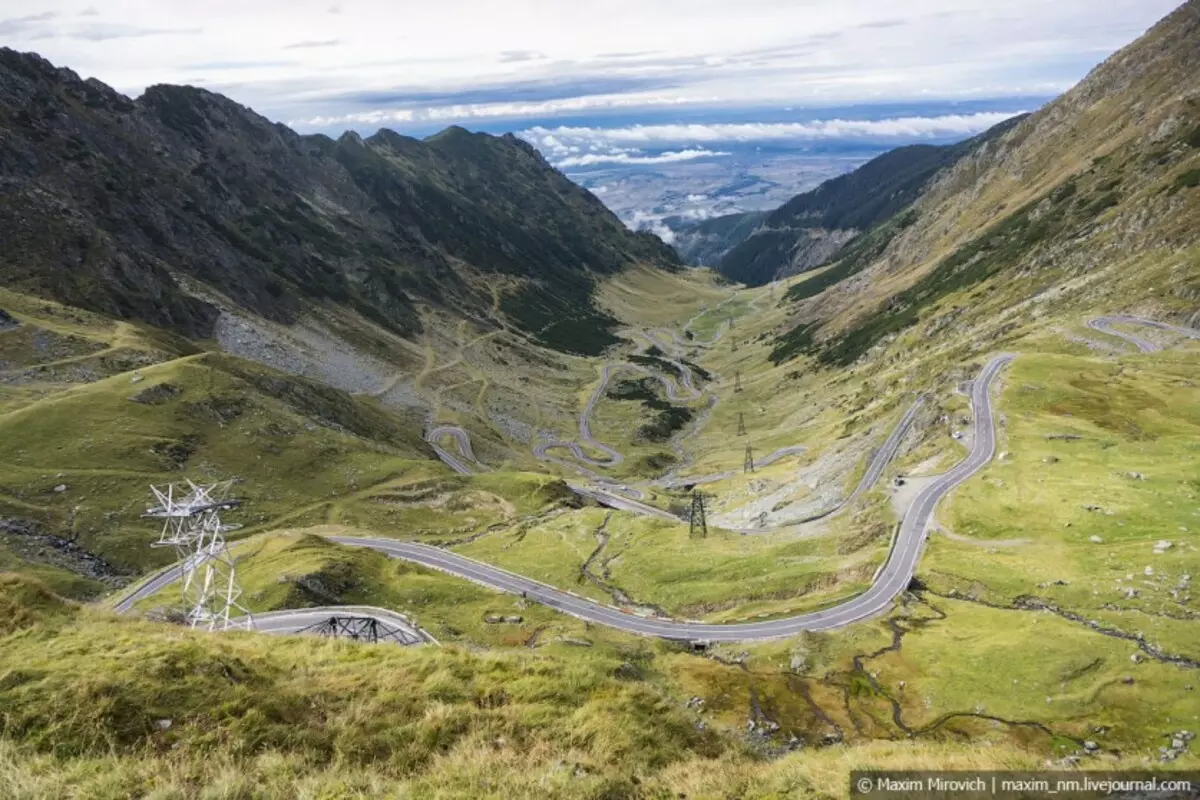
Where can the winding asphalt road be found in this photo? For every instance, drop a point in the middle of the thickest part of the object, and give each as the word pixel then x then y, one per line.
pixel 683 392
pixel 460 463
pixel 879 461
pixel 698 480
pixel 401 629
pixel 398 627
pixel 891 581
pixel 152 585
pixel 1104 325
pixel 721 331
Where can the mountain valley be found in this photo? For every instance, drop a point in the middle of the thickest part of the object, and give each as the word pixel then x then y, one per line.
pixel 908 482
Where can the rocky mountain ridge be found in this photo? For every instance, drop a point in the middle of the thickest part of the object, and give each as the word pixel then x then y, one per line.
pixel 105 200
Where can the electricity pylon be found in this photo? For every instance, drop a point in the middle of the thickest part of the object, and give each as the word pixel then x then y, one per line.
pixel 741 424
pixel 748 464
pixel 737 381
pixel 699 523
pixel 733 345
pixel 192 525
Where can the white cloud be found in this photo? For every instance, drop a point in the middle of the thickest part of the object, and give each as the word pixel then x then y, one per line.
pixel 484 111
pixel 648 222
pixel 752 53
pixel 625 158
pixel 663 232
pixel 310 43
pixel 955 125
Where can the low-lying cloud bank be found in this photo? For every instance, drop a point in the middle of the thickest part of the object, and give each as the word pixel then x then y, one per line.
pixel 632 145
pixel 668 157
pixel 482 112
pixel 909 128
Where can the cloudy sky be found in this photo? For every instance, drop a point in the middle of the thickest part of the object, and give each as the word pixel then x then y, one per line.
pixel 336 64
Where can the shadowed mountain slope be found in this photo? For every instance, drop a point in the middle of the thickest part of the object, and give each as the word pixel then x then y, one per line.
pixel 812 228
pixel 705 243
pixel 109 204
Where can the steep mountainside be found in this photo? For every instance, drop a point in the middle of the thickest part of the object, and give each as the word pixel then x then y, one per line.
pixel 706 242
pixel 812 228
pixel 106 202
pixel 1092 200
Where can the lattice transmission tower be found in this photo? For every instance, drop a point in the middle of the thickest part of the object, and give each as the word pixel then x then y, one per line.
pixel 697 518
pixel 741 429
pixel 748 463
pixel 192 525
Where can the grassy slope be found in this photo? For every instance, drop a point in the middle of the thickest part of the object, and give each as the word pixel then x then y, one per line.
pixel 97 425
pixel 297 697
pixel 1139 416
pixel 705 326
pixel 646 561
pixel 293 445
pixel 1146 425
pixel 1135 415
pixel 650 297
pixel 123 708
